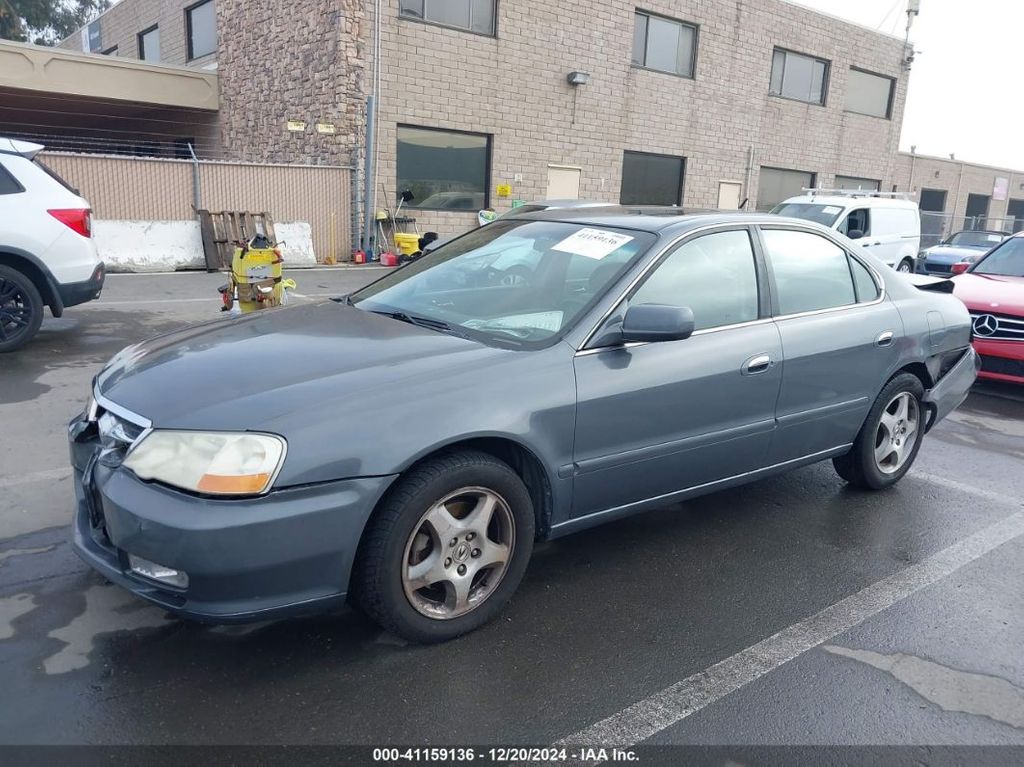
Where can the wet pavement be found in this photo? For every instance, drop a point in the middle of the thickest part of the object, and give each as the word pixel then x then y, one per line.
pixel 608 621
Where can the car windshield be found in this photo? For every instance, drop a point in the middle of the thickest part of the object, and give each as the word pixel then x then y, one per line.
pixel 514 282
pixel 975 239
pixel 820 214
pixel 1005 261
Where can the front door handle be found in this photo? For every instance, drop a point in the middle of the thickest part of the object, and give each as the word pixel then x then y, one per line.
pixel 885 339
pixel 758 364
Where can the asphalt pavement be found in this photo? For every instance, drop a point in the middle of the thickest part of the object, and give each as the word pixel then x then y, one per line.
pixel 790 611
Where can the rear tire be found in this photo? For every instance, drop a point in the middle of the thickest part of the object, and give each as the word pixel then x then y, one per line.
pixel 21 309
pixel 906 266
pixel 446 548
pixel 890 438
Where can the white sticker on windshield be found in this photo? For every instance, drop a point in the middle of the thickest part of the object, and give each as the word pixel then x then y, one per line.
pixel 994 238
pixel 592 243
pixel 832 209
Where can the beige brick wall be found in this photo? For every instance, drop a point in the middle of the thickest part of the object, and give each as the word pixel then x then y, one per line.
pixel 122 23
pixel 958 179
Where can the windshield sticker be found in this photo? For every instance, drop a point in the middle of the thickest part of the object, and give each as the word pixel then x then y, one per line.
pixel 592 243
pixel 994 238
pixel 832 209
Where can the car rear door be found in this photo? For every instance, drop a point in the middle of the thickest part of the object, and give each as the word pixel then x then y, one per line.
pixel 840 338
pixel 656 418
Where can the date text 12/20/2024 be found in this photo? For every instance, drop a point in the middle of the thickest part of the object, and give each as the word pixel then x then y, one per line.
pixel 497 754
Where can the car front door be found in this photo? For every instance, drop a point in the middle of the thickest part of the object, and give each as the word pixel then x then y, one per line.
pixel 840 335
pixel 656 418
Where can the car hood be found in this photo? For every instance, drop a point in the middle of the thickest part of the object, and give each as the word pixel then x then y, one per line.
pixel 951 253
pixel 275 367
pixel 984 292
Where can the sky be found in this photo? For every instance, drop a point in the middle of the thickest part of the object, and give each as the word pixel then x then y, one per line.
pixel 965 85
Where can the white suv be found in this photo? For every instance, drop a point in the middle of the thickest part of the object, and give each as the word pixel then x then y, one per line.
pixel 47 255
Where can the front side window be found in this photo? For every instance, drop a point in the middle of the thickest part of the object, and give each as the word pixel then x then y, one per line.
pixel 444 170
pixel 1005 261
pixel 517 283
pixel 651 179
pixel 149 45
pixel 715 275
pixel 859 220
pixel 664 44
pixel 799 77
pixel 778 184
pixel 201 24
pixel 811 272
pixel 869 94
pixel 472 15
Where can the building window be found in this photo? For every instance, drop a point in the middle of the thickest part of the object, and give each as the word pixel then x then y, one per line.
pixel 855 182
pixel 149 44
pixel 933 200
pixel 471 15
pixel 869 94
pixel 444 170
pixel 112 51
pixel 777 184
pixel 201 29
pixel 664 44
pixel 799 77
pixel 651 179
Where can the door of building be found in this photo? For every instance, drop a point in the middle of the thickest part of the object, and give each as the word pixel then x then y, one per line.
pixel 563 182
pixel 729 195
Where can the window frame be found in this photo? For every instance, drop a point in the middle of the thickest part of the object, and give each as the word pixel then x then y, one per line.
pixel 189 52
pixel 492 34
pixel 141 44
pixel 693 54
pixel 892 94
pixel 682 174
pixel 776 313
pixel 489 138
pixel 111 51
pixel 826 81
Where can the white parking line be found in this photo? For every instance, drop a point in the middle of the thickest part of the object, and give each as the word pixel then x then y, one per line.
pixel 36 476
pixel 685 698
pixel 963 487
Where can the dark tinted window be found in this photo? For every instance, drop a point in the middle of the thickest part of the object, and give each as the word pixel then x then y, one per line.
pixel 664 44
pixel 714 275
pixel 446 170
pixel 810 271
pixel 651 179
pixel 867 289
pixel 799 77
pixel 8 184
pixel 474 15
pixel 933 200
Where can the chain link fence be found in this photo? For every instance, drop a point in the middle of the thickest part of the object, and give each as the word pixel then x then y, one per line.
pixel 936 227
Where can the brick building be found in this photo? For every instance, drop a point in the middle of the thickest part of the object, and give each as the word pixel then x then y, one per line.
pixel 485 102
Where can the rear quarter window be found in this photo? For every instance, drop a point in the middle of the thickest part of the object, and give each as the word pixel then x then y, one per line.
pixel 8 183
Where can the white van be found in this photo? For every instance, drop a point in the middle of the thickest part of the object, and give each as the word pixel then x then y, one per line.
pixel 888 226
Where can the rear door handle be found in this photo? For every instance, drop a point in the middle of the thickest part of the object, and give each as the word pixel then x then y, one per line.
pixel 758 364
pixel 885 339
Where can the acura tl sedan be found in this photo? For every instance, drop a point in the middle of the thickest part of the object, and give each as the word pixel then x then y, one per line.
pixel 404 447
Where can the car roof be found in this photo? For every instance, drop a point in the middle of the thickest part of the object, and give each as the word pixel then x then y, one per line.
pixel 24 149
pixel 854 199
pixel 653 218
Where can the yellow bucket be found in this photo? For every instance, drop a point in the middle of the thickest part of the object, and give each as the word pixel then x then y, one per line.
pixel 256 274
pixel 407 243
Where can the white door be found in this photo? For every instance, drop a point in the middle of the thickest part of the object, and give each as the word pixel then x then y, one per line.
pixel 563 183
pixel 729 195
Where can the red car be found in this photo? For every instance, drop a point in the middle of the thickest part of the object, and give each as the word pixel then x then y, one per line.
pixel 993 290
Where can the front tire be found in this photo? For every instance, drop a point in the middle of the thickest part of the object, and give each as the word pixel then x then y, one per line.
pixel 890 438
pixel 906 266
pixel 21 309
pixel 446 549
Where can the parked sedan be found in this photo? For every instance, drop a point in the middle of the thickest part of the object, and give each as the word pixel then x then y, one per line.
pixel 993 290
pixel 404 447
pixel 962 246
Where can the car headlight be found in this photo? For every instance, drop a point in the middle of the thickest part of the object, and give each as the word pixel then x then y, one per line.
pixel 212 463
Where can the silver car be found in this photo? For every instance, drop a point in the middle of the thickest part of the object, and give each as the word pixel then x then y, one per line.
pixel 404 447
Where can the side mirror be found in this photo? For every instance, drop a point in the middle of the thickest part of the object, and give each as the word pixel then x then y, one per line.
pixel 657 322
pixel 855 234
pixel 960 268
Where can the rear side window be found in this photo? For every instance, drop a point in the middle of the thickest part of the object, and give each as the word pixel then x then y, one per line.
pixel 811 272
pixel 867 289
pixel 714 275
pixel 8 183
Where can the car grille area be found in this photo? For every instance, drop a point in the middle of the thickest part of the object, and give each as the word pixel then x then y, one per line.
pixel 1002 366
pixel 997 327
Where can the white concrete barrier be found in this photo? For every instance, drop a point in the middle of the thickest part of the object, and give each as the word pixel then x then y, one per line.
pixel 167 246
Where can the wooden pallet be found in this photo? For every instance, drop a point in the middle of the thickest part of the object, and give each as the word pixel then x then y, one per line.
pixel 223 231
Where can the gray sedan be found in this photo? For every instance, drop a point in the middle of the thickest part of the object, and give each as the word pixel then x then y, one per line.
pixel 405 446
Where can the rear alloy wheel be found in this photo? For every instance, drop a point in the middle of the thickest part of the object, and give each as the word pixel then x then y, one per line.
pixel 21 309
pixel 905 267
pixel 889 440
pixel 446 548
